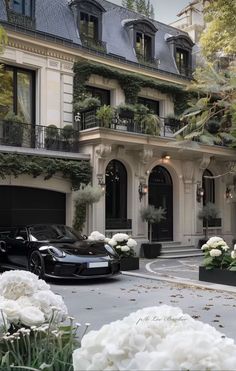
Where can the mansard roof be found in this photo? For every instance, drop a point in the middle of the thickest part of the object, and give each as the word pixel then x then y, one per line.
pixel 56 18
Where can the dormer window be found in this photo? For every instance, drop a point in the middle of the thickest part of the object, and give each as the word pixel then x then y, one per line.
pixel 88 14
pixel 181 49
pixel 24 7
pixel 21 13
pixel 142 31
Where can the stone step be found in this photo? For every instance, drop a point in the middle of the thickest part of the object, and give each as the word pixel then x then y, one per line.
pixel 181 249
pixel 170 243
pixel 175 256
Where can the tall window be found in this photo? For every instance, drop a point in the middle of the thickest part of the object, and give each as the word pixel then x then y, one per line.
pixel 116 191
pixel 102 94
pixel 88 26
pixel 153 105
pixel 182 61
pixel 208 185
pixel 143 46
pixel 21 93
pixel 24 7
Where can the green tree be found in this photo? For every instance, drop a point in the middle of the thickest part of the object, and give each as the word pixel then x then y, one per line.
pixel 220 33
pixel 128 4
pixel 141 6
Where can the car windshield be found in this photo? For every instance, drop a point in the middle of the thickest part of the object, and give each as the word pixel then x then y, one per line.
pixel 52 233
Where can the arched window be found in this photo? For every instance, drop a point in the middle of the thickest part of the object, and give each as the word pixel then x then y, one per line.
pixel 209 187
pixel 116 194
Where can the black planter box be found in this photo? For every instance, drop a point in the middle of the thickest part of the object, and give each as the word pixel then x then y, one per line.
pixel 129 263
pixel 202 242
pixel 216 275
pixel 151 250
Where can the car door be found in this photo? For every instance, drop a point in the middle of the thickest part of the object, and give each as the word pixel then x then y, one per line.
pixel 17 248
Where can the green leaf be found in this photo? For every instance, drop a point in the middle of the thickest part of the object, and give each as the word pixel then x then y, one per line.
pixel 208 260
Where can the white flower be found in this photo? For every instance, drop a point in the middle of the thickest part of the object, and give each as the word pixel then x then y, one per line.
pixel 96 236
pixel 107 239
pixel 51 304
pixel 12 310
pixel 31 316
pixel 131 243
pixel 14 284
pixel 120 237
pixel 112 242
pixel 205 246
pixel 156 338
pixel 233 254
pixel 214 240
pixel 235 247
pixel 225 247
pixel 42 285
pixel 215 252
pixel 118 247
pixel 125 248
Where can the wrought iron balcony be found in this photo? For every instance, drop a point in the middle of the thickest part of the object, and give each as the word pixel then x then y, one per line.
pixel 20 19
pixel 148 60
pixel 93 43
pixel 89 120
pixel 41 137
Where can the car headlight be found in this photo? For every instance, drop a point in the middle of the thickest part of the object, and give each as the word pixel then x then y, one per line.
pixel 56 252
pixel 110 250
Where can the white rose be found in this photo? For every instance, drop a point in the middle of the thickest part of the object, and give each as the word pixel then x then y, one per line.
pixel 215 252
pixel 131 243
pixel 31 316
pixel 125 248
pixel 12 310
pixel 14 284
pixel 51 305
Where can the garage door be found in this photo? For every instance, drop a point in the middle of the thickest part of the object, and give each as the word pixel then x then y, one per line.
pixel 23 205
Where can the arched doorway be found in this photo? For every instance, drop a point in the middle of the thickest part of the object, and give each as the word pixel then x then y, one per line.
pixel 161 194
pixel 116 196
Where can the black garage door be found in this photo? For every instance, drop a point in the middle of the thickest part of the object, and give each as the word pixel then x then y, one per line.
pixel 23 205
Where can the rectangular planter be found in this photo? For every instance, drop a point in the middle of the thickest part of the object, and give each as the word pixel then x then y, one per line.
pixel 129 263
pixel 216 275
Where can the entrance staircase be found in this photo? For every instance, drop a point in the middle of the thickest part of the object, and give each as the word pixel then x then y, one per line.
pixel 175 249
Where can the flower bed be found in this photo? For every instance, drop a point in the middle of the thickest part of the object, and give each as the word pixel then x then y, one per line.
pixel 155 338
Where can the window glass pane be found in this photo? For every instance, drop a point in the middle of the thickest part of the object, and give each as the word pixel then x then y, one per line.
pixel 17 6
pixel 6 92
pixel 24 96
pixel 28 8
pixel 84 23
pixel 139 44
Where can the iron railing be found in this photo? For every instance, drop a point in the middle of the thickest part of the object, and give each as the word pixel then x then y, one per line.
pixel 89 120
pixel 20 19
pixel 38 136
pixel 93 43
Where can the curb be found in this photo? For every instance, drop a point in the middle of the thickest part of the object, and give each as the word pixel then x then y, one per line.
pixel 184 282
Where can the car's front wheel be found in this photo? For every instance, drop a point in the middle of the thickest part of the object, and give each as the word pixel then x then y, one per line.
pixel 36 264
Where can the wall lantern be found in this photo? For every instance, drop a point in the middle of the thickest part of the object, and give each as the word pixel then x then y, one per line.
pixel 142 190
pixel 200 193
pixel 101 182
pixel 228 193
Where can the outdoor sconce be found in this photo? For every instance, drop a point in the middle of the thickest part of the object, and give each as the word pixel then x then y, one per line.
pixel 228 193
pixel 200 193
pixel 101 183
pixel 165 156
pixel 142 190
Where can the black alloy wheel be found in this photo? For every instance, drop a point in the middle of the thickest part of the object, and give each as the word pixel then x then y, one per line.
pixel 36 264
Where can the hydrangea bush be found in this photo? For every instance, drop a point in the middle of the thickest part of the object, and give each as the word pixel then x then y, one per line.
pixel 156 338
pixel 122 243
pixel 32 333
pixel 216 253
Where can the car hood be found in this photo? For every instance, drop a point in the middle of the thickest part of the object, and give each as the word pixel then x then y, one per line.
pixel 83 247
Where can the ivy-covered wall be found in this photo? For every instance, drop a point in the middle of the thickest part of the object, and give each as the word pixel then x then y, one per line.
pixel 77 171
pixel 131 83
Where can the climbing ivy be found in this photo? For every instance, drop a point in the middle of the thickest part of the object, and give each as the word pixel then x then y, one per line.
pixel 131 83
pixel 77 171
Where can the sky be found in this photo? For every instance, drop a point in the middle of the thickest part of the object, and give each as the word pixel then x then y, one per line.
pixel 165 10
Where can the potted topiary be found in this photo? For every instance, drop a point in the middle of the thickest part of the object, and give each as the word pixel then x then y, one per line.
pixel 67 136
pixel 105 115
pixel 13 129
pixel 152 215
pixel 52 137
pixel 207 214
pixel 89 103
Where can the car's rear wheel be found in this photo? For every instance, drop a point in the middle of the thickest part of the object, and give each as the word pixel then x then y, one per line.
pixel 36 264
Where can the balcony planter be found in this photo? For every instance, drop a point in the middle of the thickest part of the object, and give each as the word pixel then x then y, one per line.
pixel 151 250
pixel 129 263
pixel 216 275
pixel 13 130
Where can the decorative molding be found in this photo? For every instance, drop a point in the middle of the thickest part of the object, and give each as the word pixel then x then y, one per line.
pixel 204 162
pixel 103 151
pixel 145 155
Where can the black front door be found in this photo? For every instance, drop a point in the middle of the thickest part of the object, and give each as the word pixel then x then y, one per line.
pixel 161 194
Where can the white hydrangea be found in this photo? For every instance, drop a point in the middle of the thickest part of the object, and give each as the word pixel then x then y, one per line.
pixel 213 240
pixel 112 242
pixel 235 247
pixel 31 316
pixel 14 284
pixel 205 247
pixel 125 248
pixel 156 338
pixel 120 237
pixel 215 252
pixel 233 254
pixel 118 247
pixel 131 243
pixel 96 236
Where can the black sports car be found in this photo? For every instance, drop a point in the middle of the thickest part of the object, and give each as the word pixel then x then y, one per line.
pixel 56 251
